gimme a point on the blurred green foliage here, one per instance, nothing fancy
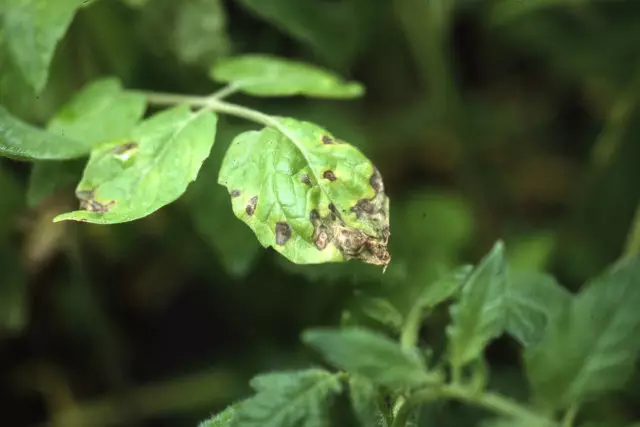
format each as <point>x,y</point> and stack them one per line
<point>488,119</point>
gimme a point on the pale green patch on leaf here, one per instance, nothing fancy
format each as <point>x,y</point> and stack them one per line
<point>289,399</point>
<point>363,395</point>
<point>102,111</point>
<point>21,140</point>
<point>533,301</point>
<point>264,75</point>
<point>592,348</point>
<point>311,197</point>
<point>225,418</point>
<point>479,314</point>
<point>47,177</point>
<point>370,355</point>
<point>131,178</point>
<point>33,28</point>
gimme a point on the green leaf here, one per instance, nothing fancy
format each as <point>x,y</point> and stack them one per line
<point>208,205</point>
<point>479,314</point>
<point>48,177</point>
<point>21,140</point>
<point>363,396</point>
<point>33,28</point>
<point>223,419</point>
<point>289,399</point>
<point>593,347</point>
<point>438,291</point>
<point>533,301</point>
<point>309,196</point>
<point>381,310</point>
<point>369,354</point>
<point>264,75</point>
<point>100,112</point>
<point>129,179</point>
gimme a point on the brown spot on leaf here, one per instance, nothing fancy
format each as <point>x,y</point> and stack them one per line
<point>251,205</point>
<point>235,193</point>
<point>326,139</point>
<point>88,202</point>
<point>376,181</point>
<point>363,207</point>
<point>123,148</point>
<point>328,174</point>
<point>314,216</point>
<point>283,233</point>
<point>306,180</point>
<point>322,239</point>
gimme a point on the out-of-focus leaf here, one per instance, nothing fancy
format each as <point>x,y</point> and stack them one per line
<point>21,140</point>
<point>33,28</point>
<point>593,347</point>
<point>289,399</point>
<point>208,205</point>
<point>381,310</point>
<point>309,196</point>
<point>129,179</point>
<point>47,177</point>
<point>363,395</point>
<point>534,301</point>
<point>479,314</point>
<point>11,200</point>
<point>201,32</point>
<point>100,112</point>
<point>264,75</point>
<point>370,355</point>
<point>438,291</point>
<point>530,252</point>
<point>335,31</point>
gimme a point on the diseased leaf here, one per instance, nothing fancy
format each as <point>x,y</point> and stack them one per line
<point>593,347</point>
<point>208,205</point>
<point>47,177</point>
<point>264,75</point>
<point>369,354</point>
<point>309,196</point>
<point>21,140</point>
<point>479,314</point>
<point>100,112</point>
<point>128,179</point>
<point>33,28</point>
<point>289,399</point>
<point>225,418</point>
<point>363,395</point>
<point>533,301</point>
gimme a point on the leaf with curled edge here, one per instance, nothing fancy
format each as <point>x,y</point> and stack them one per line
<point>312,198</point>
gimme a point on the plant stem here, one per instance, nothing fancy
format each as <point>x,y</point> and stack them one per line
<point>411,328</point>
<point>211,103</point>
<point>570,415</point>
<point>633,239</point>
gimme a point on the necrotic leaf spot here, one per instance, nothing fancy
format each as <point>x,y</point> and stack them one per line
<point>251,205</point>
<point>326,139</point>
<point>235,193</point>
<point>328,174</point>
<point>283,233</point>
<point>306,180</point>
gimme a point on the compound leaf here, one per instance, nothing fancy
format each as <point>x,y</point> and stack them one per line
<point>33,28</point>
<point>289,399</point>
<point>264,75</point>
<point>131,178</point>
<point>21,140</point>
<point>309,196</point>
<point>100,112</point>
<point>479,314</point>
<point>533,301</point>
<point>369,354</point>
<point>593,347</point>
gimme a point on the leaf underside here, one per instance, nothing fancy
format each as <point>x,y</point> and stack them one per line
<point>312,198</point>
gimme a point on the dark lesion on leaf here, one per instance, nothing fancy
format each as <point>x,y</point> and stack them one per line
<point>235,193</point>
<point>330,175</point>
<point>90,204</point>
<point>251,205</point>
<point>283,233</point>
<point>124,148</point>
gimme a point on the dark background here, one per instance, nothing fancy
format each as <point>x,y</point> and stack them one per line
<point>489,120</point>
